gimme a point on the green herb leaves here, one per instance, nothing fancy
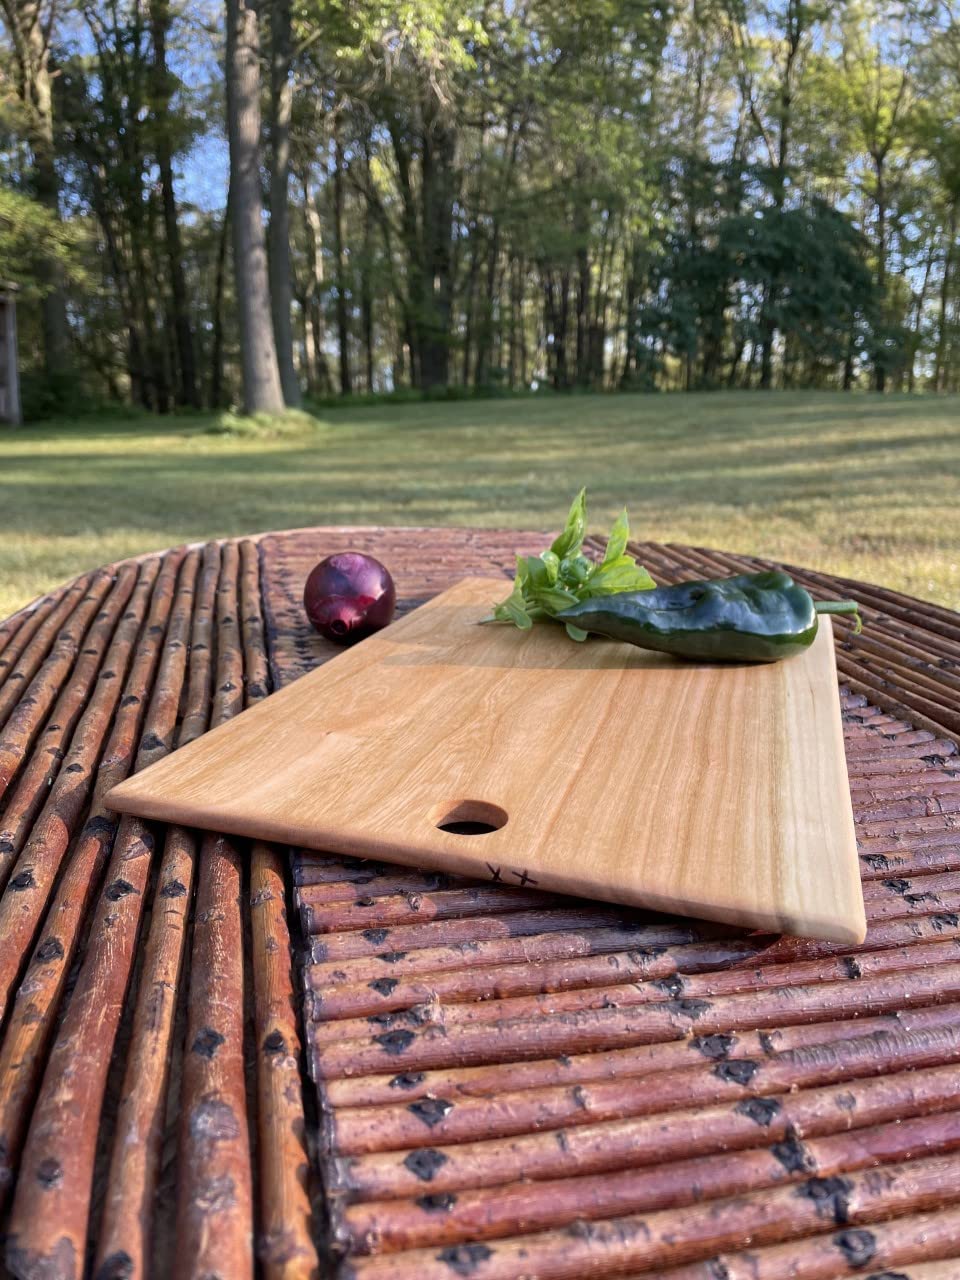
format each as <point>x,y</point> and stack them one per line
<point>563,576</point>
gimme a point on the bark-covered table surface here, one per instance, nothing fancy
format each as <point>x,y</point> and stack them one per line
<point>224,1060</point>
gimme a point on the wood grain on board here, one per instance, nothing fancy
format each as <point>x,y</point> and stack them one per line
<point>606,771</point>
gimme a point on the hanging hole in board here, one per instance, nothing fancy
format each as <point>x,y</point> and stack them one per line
<point>469,818</point>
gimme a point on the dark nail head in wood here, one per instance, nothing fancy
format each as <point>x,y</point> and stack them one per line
<point>49,1173</point>
<point>407,1080</point>
<point>440,1202</point>
<point>760,1110</point>
<point>431,1110</point>
<point>119,889</point>
<point>464,1259</point>
<point>395,1042</point>
<point>715,1046</point>
<point>207,1042</point>
<point>383,986</point>
<point>736,1070</point>
<point>858,1246</point>
<point>830,1197</point>
<point>424,1163</point>
<point>49,949</point>
<point>118,1266</point>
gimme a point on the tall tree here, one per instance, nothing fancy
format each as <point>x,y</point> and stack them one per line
<point>281,276</point>
<point>600,194</point>
<point>262,392</point>
<point>188,393</point>
<point>878,98</point>
<point>31,24</point>
<point>785,32</point>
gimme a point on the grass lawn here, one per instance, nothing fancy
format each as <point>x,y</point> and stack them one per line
<point>853,484</point>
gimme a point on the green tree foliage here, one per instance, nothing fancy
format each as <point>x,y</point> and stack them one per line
<point>31,238</point>
<point>485,194</point>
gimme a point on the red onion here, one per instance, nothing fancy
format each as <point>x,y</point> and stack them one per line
<point>349,596</point>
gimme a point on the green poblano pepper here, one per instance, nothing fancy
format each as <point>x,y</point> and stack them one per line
<point>753,617</point>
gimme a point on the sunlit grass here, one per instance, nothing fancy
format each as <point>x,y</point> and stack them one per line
<point>852,484</point>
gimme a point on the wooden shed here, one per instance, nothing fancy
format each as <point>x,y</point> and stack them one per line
<point>9,372</point>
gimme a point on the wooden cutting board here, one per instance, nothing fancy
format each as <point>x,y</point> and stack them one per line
<point>596,769</point>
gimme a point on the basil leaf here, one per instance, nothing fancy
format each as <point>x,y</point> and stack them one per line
<point>513,610</point>
<point>575,570</point>
<point>574,531</point>
<point>622,575</point>
<point>552,563</point>
<point>536,574</point>
<point>553,599</point>
<point>563,576</point>
<point>617,542</point>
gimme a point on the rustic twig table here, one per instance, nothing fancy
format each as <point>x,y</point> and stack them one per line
<point>219,1060</point>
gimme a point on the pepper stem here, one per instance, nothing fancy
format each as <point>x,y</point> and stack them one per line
<point>841,606</point>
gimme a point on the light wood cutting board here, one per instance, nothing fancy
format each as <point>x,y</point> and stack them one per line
<point>715,791</point>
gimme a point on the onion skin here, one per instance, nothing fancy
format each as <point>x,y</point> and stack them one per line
<point>349,596</point>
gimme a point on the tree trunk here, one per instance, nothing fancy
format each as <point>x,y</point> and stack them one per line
<point>796,19</point>
<point>343,331</point>
<point>485,338</point>
<point>631,313</point>
<point>513,272</point>
<point>918,321</point>
<point>583,298</point>
<point>30,32</point>
<point>139,391</point>
<point>216,356</point>
<point>557,303</point>
<point>735,364</point>
<point>366,296</point>
<point>262,391</point>
<point>144,305</point>
<point>940,360</point>
<point>848,364</point>
<point>468,303</point>
<point>281,106</point>
<point>436,278</point>
<point>187,393</point>
<point>319,372</point>
<point>879,369</point>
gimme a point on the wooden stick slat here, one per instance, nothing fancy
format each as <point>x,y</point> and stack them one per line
<point>27,717</point>
<point>591,1029</point>
<point>33,638</point>
<point>41,991</point>
<point>664,1237</point>
<point>385,1226</point>
<point>891,1250</point>
<point>36,774</point>
<point>399,946</point>
<point>456,1002</point>
<point>634,1141</point>
<point>33,875</point>
<point>17,669</point>
<point>214,1232</point>
<point>125,1228</point>
<point>49,1217</point>
<point>657,952</point>
<point>10,626</point>
<point>321,916</point>
<point>616,1064</point>
<point>285,1244</point>
<point>444,1118</point>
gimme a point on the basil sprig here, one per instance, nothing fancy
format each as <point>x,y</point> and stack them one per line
<point>563,576</point>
